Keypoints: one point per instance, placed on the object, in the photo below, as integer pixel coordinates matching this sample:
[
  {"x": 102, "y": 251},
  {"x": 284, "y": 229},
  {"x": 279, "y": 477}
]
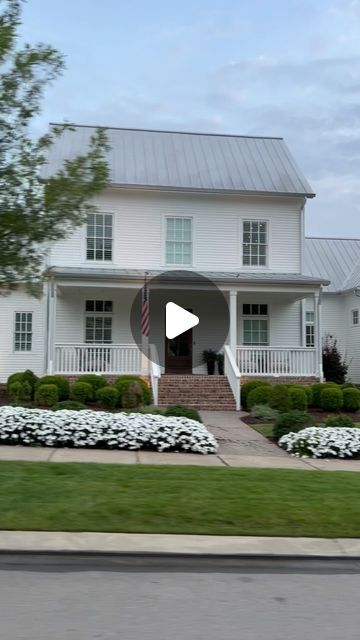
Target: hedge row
[{"x": 286, "y": 397}]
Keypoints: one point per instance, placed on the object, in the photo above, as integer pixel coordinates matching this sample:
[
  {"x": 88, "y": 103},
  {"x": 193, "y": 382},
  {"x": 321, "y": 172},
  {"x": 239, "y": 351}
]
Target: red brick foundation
[{"x": 304, "y": 380}]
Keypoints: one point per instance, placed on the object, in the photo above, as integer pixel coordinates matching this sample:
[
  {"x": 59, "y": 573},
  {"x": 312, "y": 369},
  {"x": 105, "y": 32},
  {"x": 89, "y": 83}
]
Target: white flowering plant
[
  {"x": 102, "y": 430},
  {"x": 320, "y": 442}
]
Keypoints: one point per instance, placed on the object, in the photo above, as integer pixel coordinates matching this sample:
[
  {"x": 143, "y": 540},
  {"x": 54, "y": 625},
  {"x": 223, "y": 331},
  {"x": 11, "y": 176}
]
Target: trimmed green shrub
[
  {"x": 20, "y": 392},
  {"x": 249, "y": 386},
  {"x": 309, "y": 395},
  {"x": 69, "y": 405},
  {"x": 316, "y": 391},
  {"x": 96, "y": 382},
  {"x": 122, "y": 384},
  {"x": 351, "y": 399},
  {"x": 81, "y": 392},
  {"x": 331, "y": 399},
  {"x": 280, "y": 399},
  {"x": 348, "y": 385},
  {"x": 25, "y": 376},
  {"x": 15, "y": 377},
  {"x": 132, "y": 395},
  {"x": 259, "y": 395},
  {"x": 264, "y": 412},
  {"x": 299, "y": 400},
  {"x": 339, "y": 421},
  {"x": 181, "y": 411},
  {"x": 46, "y": 395},
  {"x": 108, "y": 396},
  {"x": 291, "y": 421},
  {"x": 61, "y": 383}
]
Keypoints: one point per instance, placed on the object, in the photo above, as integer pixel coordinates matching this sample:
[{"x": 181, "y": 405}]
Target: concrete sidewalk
[{"x": 197, "y": 545}]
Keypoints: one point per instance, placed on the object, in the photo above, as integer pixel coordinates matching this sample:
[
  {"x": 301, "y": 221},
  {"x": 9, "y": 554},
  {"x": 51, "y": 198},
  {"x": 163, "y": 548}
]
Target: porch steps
[{"x": 211, "y": 393}]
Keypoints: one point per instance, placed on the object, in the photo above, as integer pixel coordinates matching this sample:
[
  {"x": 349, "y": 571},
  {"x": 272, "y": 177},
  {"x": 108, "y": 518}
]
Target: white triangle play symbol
[{"x": 178, "y": 320}]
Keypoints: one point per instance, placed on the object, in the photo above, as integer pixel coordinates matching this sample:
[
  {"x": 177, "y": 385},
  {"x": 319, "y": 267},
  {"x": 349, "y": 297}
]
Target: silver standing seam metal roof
[
  {"x": 337, "y": 259},
  {"x": 188, "y": 161}
]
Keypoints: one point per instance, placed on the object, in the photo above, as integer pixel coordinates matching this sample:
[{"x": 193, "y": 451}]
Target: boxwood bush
[
  {"x": 108, "y": 397},
  {"x": 46, "y": 395},
  {"x": 351, "y": 398},
  {"x": 69, "y": 405},
  {"x": 339, "y": 421},
  {"x": 331, "y": 398},
  {"x": 132, "y": 395},
  {"x": 291, "y": 421},
  {"x": 280, "y": 399},
  {"x": 61, "y": 383},
  {"x": 259, "y": 395},
  {"x": 122, "y": 384},
  {"x": 249, "y": 386},
  {"x": 81, "y": 392},
  {"x": 25, "y": 376},
  {"x": 20, "y": 392},
  {"x": 96, "y": 382},
  {"x": 264, "y": 412},
  {"x": 181, "y": 411},
  {"x": 299, "y": 399},
  {"x": 316, "y": 391}
]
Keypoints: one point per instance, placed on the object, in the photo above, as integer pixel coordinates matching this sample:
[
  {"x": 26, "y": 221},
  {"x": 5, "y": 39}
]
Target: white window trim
[
  {"x": 102, "y": 314},
  {"x": 15, "y": 351},
  {"x": 355, "y": 324},
  {"x": 309, "y": 323},
  {"x": 246, "y": 267},
  {"x": 164, "y": 234},
  {"x": 95, "y": 261},
  {"x": 249, "y": 316}
]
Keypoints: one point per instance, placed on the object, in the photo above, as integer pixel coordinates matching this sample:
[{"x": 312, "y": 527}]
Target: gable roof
[
  {"x": 188, "y": 161},
  {"x": 337, "y": 259}
]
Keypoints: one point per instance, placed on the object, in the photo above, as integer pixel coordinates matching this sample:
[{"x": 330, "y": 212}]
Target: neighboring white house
[{"x": 229, "y": 207}]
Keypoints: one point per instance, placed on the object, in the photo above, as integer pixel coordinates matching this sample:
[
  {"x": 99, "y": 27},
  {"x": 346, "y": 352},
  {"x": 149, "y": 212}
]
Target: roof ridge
[
  {"x": 191, "y": 133},
  {"x": 330, "y": 238}
]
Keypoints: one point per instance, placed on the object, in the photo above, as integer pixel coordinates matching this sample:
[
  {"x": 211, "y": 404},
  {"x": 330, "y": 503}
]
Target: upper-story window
[
  {"x": 355, "y": 316},
  {"x": 310, "y": 329},
  {"x": 99, "y": 235},
  {"x": 178, "y": 241},
  {"x": 255, "y": 243}
]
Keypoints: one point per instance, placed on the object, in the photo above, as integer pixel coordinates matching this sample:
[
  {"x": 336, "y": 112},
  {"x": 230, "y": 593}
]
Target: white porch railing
[
  {"x": 276, "y": 361},
  {"x": 233, "y": 374},
  {"x": 155, "y": 373},
  {"x": 92, "y": 358}
]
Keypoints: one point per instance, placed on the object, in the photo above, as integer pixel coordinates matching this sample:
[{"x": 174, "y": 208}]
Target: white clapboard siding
[
  {"x": 12, "y": 361},
  {"x": 139, "y": 230}
]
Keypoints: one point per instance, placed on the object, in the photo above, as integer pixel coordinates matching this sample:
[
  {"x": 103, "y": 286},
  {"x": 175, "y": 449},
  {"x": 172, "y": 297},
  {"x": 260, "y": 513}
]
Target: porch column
[
  {"x": 233, "y": 321},
  {"x": 51, "y": 327},
  {"x": 317, "y": 330}
]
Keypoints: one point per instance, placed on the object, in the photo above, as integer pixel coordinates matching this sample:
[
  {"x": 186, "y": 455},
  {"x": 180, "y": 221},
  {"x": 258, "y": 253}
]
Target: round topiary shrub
[
  {"x": 249, "y": 386},
  {"x": 299, "y": 399},
  {"x": 81, "y": 392},
  {"x": 96, "y": 382},
  {"x": 20, "y": 392},
  {"x": 264, "y": 412},
  {"x": 339, "y": 421},
  {"x": 291, "y": 421},
  {"x": 351, "y": 397},
  {"x": 122, "y": 384},
  {"x": 180, "y": 411},
  {"x": 61, "y": 383},
  {"x": 316, "y": 391},
  {"x": 26, "y": 376},
  {"x": 46, "y": 395},
  {"x": 348, "y": 385},
  {"x": 108, "y": 397},
  {"x": 132, "y": 395},
  {"x": 331, "y": 398},
  {"x": 280, "y": 399},
  {"x": 259, "y": 395},
  {"x": 69, "y": 405}
]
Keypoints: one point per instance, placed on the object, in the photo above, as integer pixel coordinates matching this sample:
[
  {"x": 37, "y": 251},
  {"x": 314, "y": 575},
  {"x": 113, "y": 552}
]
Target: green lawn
[
  {"x": 265, "y": 429},
  {"x": 174, "y": 499}
]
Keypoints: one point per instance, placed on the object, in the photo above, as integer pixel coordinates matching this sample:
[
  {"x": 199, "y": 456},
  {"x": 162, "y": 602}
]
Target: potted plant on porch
[
  {"x": 220, "y": 363},
  {"x": 209, "y": 357}
]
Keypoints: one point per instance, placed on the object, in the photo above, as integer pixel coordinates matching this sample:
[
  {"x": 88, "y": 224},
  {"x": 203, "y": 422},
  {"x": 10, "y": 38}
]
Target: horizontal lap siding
[
  {"x": 12, "y": 361},
  {"x": 284, "y": 319},
  {"x": 139, "y": 230}
]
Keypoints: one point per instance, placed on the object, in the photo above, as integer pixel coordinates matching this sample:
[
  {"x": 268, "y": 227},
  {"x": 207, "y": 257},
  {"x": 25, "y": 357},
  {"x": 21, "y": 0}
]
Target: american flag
[{"x": 145, "y": 319}]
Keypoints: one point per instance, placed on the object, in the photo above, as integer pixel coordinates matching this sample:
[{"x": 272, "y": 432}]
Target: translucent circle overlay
[{"x": 195, "y": 293}]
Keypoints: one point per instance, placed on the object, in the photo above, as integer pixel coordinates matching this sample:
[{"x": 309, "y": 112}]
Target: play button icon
[{"x": 178, "y": 320}]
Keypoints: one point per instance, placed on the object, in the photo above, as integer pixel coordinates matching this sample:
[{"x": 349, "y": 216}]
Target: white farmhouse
[{"x": 228, "y": 207}]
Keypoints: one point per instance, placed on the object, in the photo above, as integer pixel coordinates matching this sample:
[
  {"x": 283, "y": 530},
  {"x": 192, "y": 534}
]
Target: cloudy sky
[{"x": 287, "y": 68}]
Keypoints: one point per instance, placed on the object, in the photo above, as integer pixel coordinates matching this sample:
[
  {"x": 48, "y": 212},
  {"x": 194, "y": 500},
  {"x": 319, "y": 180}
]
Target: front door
[{"x": 178, "y": 353}]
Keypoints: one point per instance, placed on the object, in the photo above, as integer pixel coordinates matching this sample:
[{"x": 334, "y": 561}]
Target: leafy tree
[
  {"x": 34, "y": 212},
  {"x": 335, "y": 367}
]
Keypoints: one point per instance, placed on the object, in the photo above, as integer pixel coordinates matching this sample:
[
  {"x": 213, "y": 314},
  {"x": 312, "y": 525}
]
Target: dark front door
[{"x": 178, "y": 353}]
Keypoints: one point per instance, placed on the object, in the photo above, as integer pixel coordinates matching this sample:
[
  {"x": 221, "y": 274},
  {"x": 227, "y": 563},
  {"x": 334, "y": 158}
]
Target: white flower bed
[
  {"x": 102, "y": 430},
  {"x": 323, "y": 442}
]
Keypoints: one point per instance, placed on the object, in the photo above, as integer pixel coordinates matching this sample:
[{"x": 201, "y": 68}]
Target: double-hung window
[
  {"x": 99, "y": 237},
  {"x": 98, "y": 321},
  {"x": 178, "y": 248},
  {"x": 255, "y": 243},
  {"x": 309, "y": 329},
  {"x": 355, "y": 316},
  {"x": 23, "y": 331},
  {"x": 255, "y": 323}
]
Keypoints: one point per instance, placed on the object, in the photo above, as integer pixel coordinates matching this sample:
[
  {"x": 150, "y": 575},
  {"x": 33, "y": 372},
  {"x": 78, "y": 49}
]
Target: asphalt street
[{"x": 76, "y": 599}]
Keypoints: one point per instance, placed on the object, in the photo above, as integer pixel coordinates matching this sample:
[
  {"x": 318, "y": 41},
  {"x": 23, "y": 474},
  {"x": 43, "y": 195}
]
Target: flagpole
[{"x": 145, "y": 326}]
